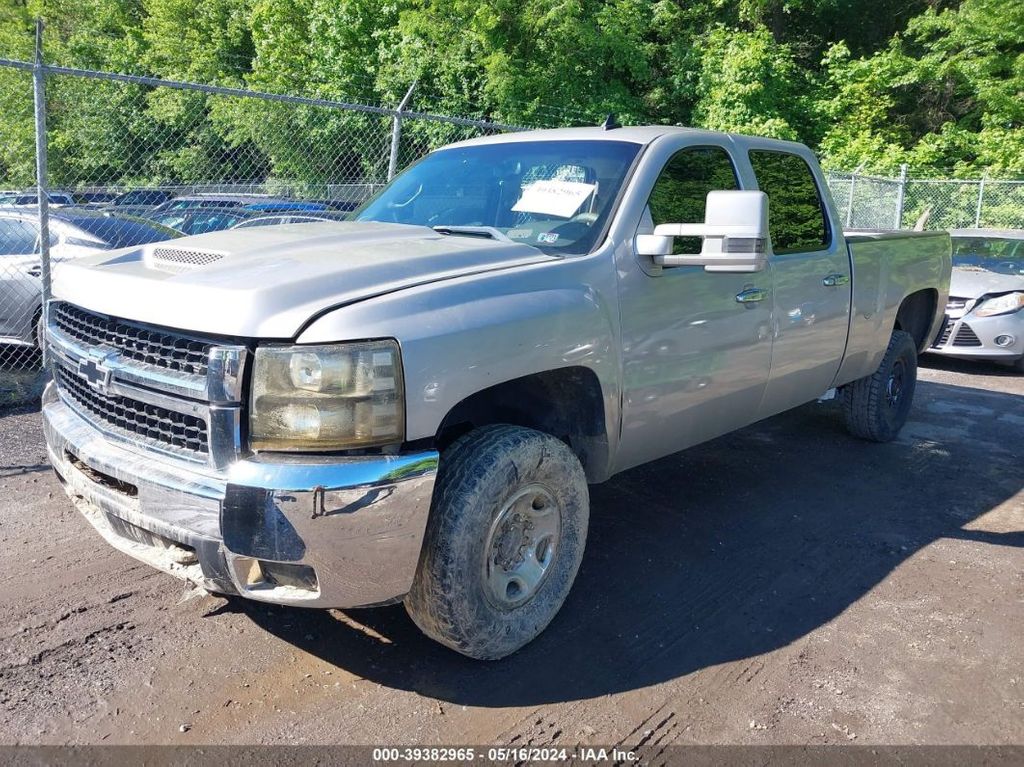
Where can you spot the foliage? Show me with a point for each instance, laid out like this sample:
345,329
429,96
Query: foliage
946,95
938,84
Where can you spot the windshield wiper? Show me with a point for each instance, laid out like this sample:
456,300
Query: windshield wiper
487,232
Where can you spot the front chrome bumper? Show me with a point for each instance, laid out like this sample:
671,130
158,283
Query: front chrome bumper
315,532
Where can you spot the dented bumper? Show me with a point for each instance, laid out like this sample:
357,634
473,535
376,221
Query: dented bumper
315,532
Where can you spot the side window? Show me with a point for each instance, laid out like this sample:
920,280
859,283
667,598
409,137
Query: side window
18,238
796,219
680,193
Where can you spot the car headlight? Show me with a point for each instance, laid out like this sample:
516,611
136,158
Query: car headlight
1011,302
336,397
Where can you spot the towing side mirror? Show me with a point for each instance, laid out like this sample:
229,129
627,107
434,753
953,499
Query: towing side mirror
734,233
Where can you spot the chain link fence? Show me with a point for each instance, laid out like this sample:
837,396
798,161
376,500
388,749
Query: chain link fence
867,202
126,160
874,202
20,288
129,160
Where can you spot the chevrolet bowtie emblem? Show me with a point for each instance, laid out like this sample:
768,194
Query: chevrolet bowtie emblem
95,373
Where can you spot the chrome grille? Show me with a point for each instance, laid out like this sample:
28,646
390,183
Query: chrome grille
956,304
165,429
146,345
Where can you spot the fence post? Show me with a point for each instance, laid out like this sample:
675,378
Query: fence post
981,200
849,202
396,131
901,195
42,182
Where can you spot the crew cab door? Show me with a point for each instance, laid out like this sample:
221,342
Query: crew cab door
812,280
696,345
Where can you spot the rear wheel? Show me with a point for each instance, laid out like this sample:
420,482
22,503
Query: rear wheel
504,541
876,406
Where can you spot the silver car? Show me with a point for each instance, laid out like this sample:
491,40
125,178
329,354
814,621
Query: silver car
983,317
74,232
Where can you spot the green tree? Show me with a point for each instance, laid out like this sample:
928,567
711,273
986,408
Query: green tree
946,95
750,84
934,83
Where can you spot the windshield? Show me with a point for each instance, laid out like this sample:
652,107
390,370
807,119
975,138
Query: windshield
993,254
199,221
122,232
555,195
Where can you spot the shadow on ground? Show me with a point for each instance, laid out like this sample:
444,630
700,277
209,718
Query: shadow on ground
726,551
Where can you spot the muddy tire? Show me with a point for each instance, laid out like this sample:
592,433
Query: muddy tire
506,534
876,406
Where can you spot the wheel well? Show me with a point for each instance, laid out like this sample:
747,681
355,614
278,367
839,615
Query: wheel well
566,403
916,314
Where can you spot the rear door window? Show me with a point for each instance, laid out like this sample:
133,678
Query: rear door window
797,221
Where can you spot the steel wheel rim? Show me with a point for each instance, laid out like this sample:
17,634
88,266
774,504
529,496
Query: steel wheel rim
895,385
521,546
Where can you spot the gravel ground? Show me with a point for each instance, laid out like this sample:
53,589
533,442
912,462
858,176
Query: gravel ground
784,584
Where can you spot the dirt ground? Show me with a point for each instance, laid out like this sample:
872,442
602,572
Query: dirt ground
784,584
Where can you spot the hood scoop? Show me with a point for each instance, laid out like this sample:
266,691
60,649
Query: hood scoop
181,259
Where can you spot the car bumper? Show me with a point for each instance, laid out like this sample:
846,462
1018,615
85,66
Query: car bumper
970,337
315,532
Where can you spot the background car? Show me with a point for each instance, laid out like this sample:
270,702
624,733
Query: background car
73,233
258,203
288,218
94,199
285,206
200,220
985,312
141,198
30,199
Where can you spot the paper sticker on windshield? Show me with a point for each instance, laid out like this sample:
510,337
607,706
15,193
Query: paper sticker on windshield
548,238
520,234
554,198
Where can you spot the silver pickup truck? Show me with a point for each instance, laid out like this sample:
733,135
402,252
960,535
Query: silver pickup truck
410,405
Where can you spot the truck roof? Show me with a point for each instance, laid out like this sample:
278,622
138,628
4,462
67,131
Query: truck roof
639,134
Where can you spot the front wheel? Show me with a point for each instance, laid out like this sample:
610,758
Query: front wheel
877,406
504,541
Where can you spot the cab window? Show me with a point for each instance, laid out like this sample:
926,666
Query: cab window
797,222
680,193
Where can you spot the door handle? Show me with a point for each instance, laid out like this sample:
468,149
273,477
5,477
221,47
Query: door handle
834,280
751,295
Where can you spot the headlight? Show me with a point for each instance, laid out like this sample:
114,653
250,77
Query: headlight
990,307
327,397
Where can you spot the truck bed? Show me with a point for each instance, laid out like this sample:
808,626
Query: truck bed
887,266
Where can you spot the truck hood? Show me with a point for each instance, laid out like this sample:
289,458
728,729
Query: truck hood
268,282
975,283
